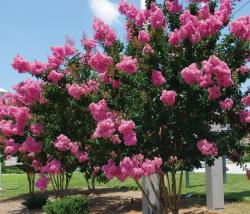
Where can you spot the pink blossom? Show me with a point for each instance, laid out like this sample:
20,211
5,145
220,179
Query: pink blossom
55,76
88,44
130,138
13,127
147,49
36,128
129,10
207,149
10,147
141,18
134,167
37,67
115,83
82,157
226,104
62,143
103,32
52,167
104,129
99,110
173,6
241,28
93,86
110,169
76,91
115,139
157,17
246,100
243,69
143,36
127,65
37,165
29,91
244,116
31,145
168,97
157,79
100,62
191,73
42,183
126,128
214,93
20,64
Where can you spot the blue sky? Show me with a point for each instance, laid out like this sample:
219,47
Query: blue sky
30,27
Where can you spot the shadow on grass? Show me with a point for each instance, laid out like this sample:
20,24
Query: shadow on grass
83,191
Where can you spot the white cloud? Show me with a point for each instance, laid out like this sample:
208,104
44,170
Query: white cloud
2,90
105,10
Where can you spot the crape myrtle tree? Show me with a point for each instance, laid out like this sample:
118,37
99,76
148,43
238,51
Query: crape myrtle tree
20,131
68,87
159,94
175,77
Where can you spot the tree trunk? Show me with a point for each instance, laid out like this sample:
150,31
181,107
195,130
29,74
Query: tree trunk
31,181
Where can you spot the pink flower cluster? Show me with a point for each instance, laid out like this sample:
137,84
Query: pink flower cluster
157,17
10,147
214,93
243,69
42,182
157,79
126,128
63,143
173,6
103,33
207,149
241,28
30,146
55,76
134,167
196,27
108,123
100,62
129,10
114,83
77,91
127,65
212,66
36,128
168,97
52,167
59,54
246,100
244,116
16,122
88,44
226,104
29,92
140,17
37,67
143,36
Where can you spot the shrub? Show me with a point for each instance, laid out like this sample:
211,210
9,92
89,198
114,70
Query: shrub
68,205
35,201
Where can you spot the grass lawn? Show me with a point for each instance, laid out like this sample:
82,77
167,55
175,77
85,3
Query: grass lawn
236,188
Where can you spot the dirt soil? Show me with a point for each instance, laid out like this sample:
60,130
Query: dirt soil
117,201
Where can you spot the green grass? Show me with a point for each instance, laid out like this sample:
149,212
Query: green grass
236,188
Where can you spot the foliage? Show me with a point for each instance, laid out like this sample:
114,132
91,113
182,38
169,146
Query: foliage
68,205
35,201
